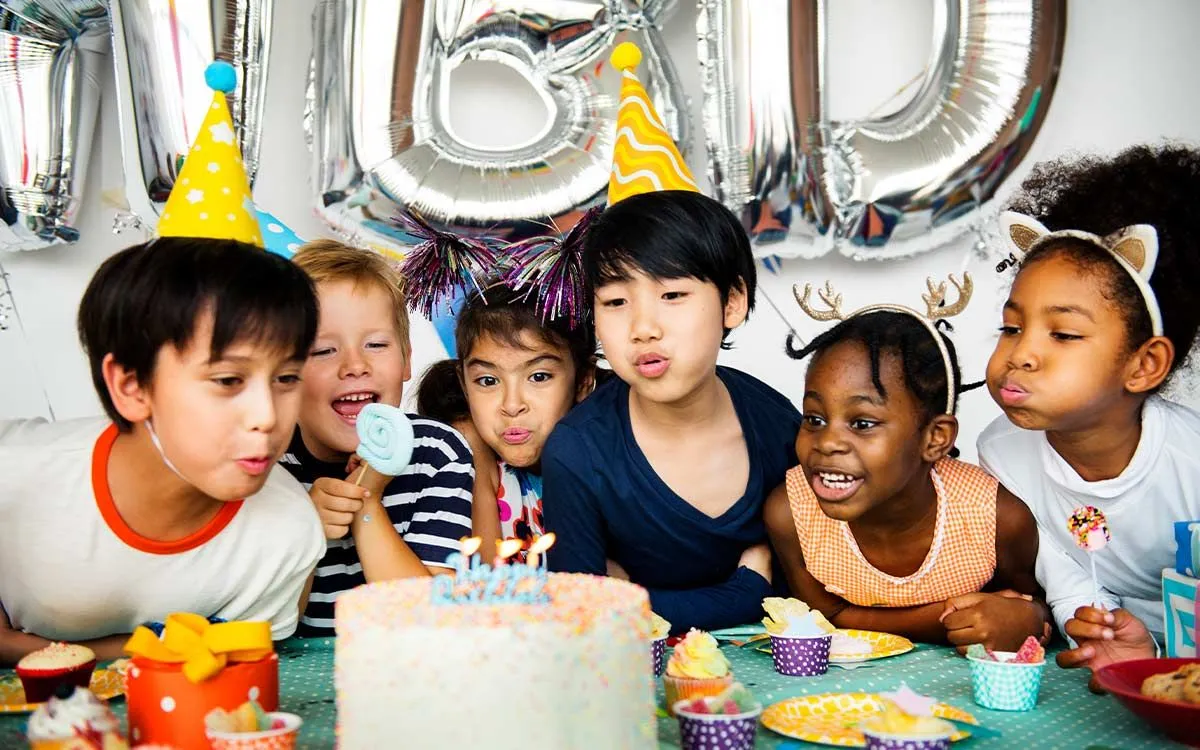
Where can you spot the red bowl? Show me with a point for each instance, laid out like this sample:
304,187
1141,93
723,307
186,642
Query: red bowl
1179,721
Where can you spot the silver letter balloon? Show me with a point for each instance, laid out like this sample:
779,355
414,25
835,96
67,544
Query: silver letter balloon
878,188
52,55
161,48
379,120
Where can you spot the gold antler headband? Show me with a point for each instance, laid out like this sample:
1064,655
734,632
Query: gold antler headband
935,309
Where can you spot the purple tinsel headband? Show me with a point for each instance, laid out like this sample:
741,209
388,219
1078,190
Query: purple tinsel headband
547,269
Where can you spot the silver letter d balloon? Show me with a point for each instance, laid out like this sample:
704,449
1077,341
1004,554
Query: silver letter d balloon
804,184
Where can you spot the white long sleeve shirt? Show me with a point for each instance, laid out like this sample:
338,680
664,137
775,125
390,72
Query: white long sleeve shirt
1161,485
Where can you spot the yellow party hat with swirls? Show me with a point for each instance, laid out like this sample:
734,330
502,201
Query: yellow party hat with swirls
645,158
211,196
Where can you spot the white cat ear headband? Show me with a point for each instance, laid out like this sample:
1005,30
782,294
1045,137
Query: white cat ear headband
935,309
1134,248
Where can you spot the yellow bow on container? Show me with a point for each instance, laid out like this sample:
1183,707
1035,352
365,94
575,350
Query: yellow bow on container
202,647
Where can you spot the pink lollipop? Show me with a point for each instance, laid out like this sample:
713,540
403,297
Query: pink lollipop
1090,529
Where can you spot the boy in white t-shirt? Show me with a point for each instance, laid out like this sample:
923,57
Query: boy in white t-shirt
174,501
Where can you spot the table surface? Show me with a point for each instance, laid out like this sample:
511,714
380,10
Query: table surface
1067,715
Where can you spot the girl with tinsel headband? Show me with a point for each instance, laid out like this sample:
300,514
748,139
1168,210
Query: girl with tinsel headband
526,355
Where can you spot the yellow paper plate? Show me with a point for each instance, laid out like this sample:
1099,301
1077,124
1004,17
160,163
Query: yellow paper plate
833,718
883,645
106,684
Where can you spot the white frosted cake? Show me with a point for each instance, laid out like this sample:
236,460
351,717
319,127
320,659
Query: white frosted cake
574,672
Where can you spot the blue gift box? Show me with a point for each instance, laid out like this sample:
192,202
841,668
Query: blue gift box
1179,614
1187,548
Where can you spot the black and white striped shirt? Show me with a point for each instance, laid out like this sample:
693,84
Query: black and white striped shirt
429,504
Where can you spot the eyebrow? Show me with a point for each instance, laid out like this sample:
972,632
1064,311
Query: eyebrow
477,362
874,400
1069,309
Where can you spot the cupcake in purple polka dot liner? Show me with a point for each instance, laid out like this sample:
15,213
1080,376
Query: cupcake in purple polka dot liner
800,637
728,721
907,723
659,630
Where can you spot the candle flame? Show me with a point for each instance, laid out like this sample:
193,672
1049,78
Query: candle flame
542,543
470,545
508,547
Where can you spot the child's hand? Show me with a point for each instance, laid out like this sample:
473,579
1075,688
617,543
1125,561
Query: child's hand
616,571
337,501
758,559
1105,638
1001,621
353,463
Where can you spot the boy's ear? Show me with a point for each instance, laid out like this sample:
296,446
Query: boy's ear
585,383
1150,365
129,397
407,361
940,436
736,306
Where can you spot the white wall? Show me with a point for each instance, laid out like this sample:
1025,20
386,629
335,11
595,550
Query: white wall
1126,77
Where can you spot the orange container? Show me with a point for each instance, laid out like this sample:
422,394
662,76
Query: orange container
166,708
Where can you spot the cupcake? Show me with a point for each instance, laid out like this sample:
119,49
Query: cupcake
248,727
800,637
907,722
659,630
1007,680
728,721
697,668
74,719
42,671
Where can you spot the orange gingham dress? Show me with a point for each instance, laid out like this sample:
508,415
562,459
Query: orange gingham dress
961,560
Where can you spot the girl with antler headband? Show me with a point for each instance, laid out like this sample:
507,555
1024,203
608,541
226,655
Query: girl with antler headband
1102,312
878,527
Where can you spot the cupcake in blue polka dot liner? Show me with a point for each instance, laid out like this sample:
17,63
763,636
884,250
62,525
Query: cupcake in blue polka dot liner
728,721
907,723
1007,680
800,637
659,630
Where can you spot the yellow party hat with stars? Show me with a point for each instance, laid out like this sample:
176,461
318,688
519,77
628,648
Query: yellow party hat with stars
211,197
645,158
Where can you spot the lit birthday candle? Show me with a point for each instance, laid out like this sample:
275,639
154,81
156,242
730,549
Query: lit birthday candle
462,561
505,549
538,549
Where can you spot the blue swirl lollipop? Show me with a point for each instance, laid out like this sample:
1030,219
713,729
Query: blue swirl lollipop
385,439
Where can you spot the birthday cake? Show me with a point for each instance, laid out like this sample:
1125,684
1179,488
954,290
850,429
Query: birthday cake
434,663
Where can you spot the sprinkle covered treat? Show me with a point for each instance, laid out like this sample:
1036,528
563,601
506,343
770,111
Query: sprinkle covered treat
467,670
42,671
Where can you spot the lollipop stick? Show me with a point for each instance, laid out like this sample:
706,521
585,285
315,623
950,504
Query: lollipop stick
363,472
1095,582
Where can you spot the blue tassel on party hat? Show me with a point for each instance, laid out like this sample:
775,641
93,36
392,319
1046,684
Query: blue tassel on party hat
211,196
645,158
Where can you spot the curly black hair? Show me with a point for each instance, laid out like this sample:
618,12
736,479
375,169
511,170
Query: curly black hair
901,334
1157,185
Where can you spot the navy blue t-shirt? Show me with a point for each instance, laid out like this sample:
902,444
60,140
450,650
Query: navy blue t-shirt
604,501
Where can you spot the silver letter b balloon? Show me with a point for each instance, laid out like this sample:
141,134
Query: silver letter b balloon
876,188
379,115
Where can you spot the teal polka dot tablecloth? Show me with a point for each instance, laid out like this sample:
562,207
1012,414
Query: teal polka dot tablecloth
1066,716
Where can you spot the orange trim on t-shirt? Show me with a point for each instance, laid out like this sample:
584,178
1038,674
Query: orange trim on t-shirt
112,517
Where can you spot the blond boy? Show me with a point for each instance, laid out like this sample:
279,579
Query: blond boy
361,355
